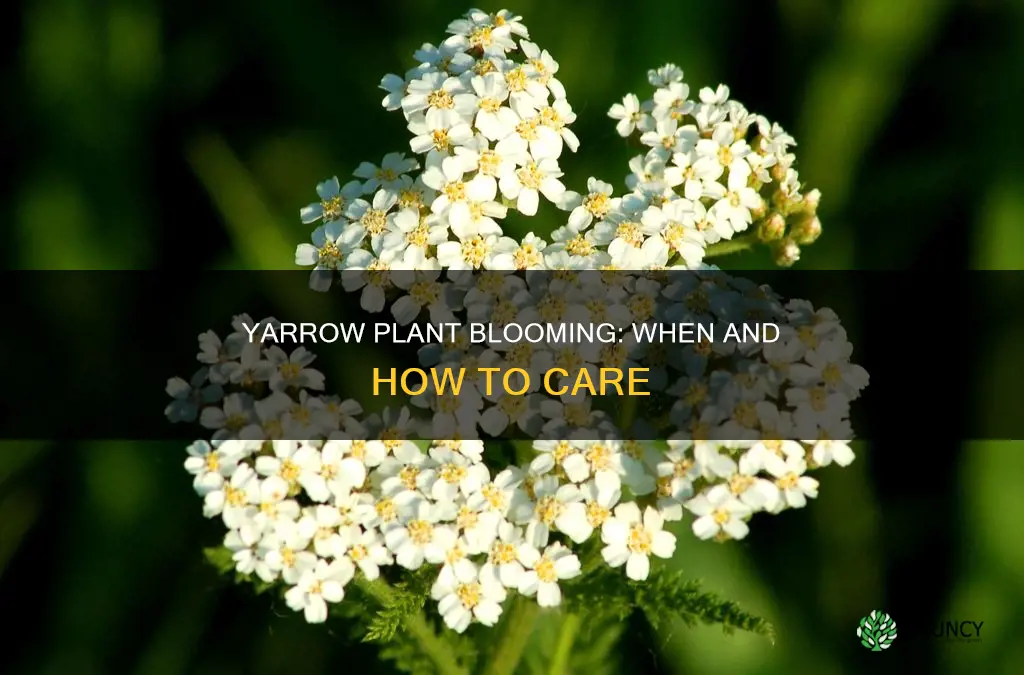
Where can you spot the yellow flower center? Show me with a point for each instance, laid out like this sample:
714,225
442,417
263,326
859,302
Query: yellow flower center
725,155
641,306
387,510
408,476
410,198
597,514
424,293
474,250
332,208
467,519
440,99
527,129
289,470
818,399
453,474
418,236
233,496
807,335
420,531
788,482
664,486
551,308
740,483
375,221
484,66
545,570
385,175
502,553
468,594
599,455
358,449
548,509
489,163
455,190
639,540
212,461
290,370
516,79
530,176
745,415
579,246
481,36
494,496
526,256
631,233
576,415
440,139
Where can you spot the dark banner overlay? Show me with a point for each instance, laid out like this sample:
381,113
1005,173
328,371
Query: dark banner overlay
794,355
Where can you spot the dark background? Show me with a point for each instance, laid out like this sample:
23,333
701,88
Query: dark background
187,135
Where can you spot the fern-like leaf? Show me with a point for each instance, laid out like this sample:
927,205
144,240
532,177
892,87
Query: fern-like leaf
403,601
669,593
663,596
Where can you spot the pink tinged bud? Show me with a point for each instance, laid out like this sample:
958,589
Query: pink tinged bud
772,228
811,200
786,252
808,231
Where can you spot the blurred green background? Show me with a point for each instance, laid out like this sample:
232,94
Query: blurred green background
182,135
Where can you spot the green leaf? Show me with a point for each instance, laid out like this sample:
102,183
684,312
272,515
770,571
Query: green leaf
221,558
666,593
414,644
663,596
406,600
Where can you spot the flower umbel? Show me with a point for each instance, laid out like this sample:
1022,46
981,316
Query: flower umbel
314,494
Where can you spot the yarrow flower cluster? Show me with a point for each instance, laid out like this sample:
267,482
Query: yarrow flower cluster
314,493
490,120
717,168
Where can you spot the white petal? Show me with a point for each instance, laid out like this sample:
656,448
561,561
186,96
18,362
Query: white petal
663,544
549,595
316,610
638,567
528,202
615,555
705,527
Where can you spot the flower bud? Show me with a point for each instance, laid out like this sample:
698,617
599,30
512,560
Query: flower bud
780,201
758,211
786,252
807,231
772,228
811,200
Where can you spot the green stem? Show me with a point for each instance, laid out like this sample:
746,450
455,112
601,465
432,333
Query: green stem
518,628
727,246
417,626
434,648
563,650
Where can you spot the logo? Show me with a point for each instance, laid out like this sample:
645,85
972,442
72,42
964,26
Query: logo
877,631
959,631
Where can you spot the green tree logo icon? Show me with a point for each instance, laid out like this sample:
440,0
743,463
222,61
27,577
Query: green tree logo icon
877,631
